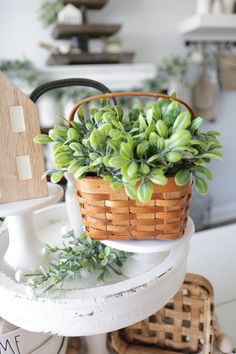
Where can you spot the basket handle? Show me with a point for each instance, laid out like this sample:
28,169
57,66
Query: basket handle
126,94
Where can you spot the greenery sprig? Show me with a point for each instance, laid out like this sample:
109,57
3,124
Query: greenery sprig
79,256
135,150
48,11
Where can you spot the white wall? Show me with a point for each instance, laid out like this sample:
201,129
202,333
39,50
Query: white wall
150,29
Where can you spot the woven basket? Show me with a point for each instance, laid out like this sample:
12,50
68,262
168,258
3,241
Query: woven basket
185,324
109,214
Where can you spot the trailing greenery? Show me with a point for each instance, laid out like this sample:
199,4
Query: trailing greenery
23,70
48,11
78,258
135,150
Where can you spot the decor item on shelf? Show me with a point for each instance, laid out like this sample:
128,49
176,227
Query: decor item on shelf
151,154
113,45
227,72
184,324
48,11
203,6
217,6
72,25
63,48
70,15
22,164
204,97
79,257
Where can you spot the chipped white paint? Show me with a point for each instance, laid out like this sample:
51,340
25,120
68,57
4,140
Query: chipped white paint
91,310
17,119
24,167
25,249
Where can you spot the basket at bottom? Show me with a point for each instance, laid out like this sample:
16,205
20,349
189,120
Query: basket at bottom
185,324
109,214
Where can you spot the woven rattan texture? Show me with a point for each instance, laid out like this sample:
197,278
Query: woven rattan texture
109,214
185,324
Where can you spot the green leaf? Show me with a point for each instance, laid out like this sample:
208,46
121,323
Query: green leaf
144,192
173,156
42,139
142,148
57,135
182,122
212,155
182,177
153,137
105,128
126,150
180,138
132,169
72,134
74,165
57,176
81,171
162,129
145,169
96,139
117,161
142,123
78,149
115,184
131,191
119,112
160,144
196,123
80,114
63,159
203,170
156,176
200,185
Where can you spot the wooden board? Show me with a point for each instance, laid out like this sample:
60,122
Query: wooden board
90,58
89,4
64,31
17,144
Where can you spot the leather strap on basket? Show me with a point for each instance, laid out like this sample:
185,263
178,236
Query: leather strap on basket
126,94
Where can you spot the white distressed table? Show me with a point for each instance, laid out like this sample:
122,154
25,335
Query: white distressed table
84,309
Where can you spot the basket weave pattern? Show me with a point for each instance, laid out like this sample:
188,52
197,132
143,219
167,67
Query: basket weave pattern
109,214
185,324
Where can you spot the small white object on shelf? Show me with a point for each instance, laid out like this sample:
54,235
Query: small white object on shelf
70,15
25,248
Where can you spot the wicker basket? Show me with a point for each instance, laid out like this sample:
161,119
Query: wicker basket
109,214
185,324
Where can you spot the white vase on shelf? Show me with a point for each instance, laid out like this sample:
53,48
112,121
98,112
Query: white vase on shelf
203,7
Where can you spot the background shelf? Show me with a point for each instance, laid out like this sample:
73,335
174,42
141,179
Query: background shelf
62,31
89,4
90,58
212,27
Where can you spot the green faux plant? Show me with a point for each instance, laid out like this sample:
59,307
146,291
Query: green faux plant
136,149
80,256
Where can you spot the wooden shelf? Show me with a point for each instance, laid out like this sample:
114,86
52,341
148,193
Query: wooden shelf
89,4
90,58
62,31
210,27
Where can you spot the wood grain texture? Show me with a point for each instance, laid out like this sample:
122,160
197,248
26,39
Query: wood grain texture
64,31
184,324
13,145
89,4
109,214
90,58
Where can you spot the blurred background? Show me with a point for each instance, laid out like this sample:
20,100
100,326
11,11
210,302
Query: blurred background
187,46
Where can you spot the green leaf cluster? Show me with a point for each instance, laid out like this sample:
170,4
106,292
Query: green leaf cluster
146,145
79,256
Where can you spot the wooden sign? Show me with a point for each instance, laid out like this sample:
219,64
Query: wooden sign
21,160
